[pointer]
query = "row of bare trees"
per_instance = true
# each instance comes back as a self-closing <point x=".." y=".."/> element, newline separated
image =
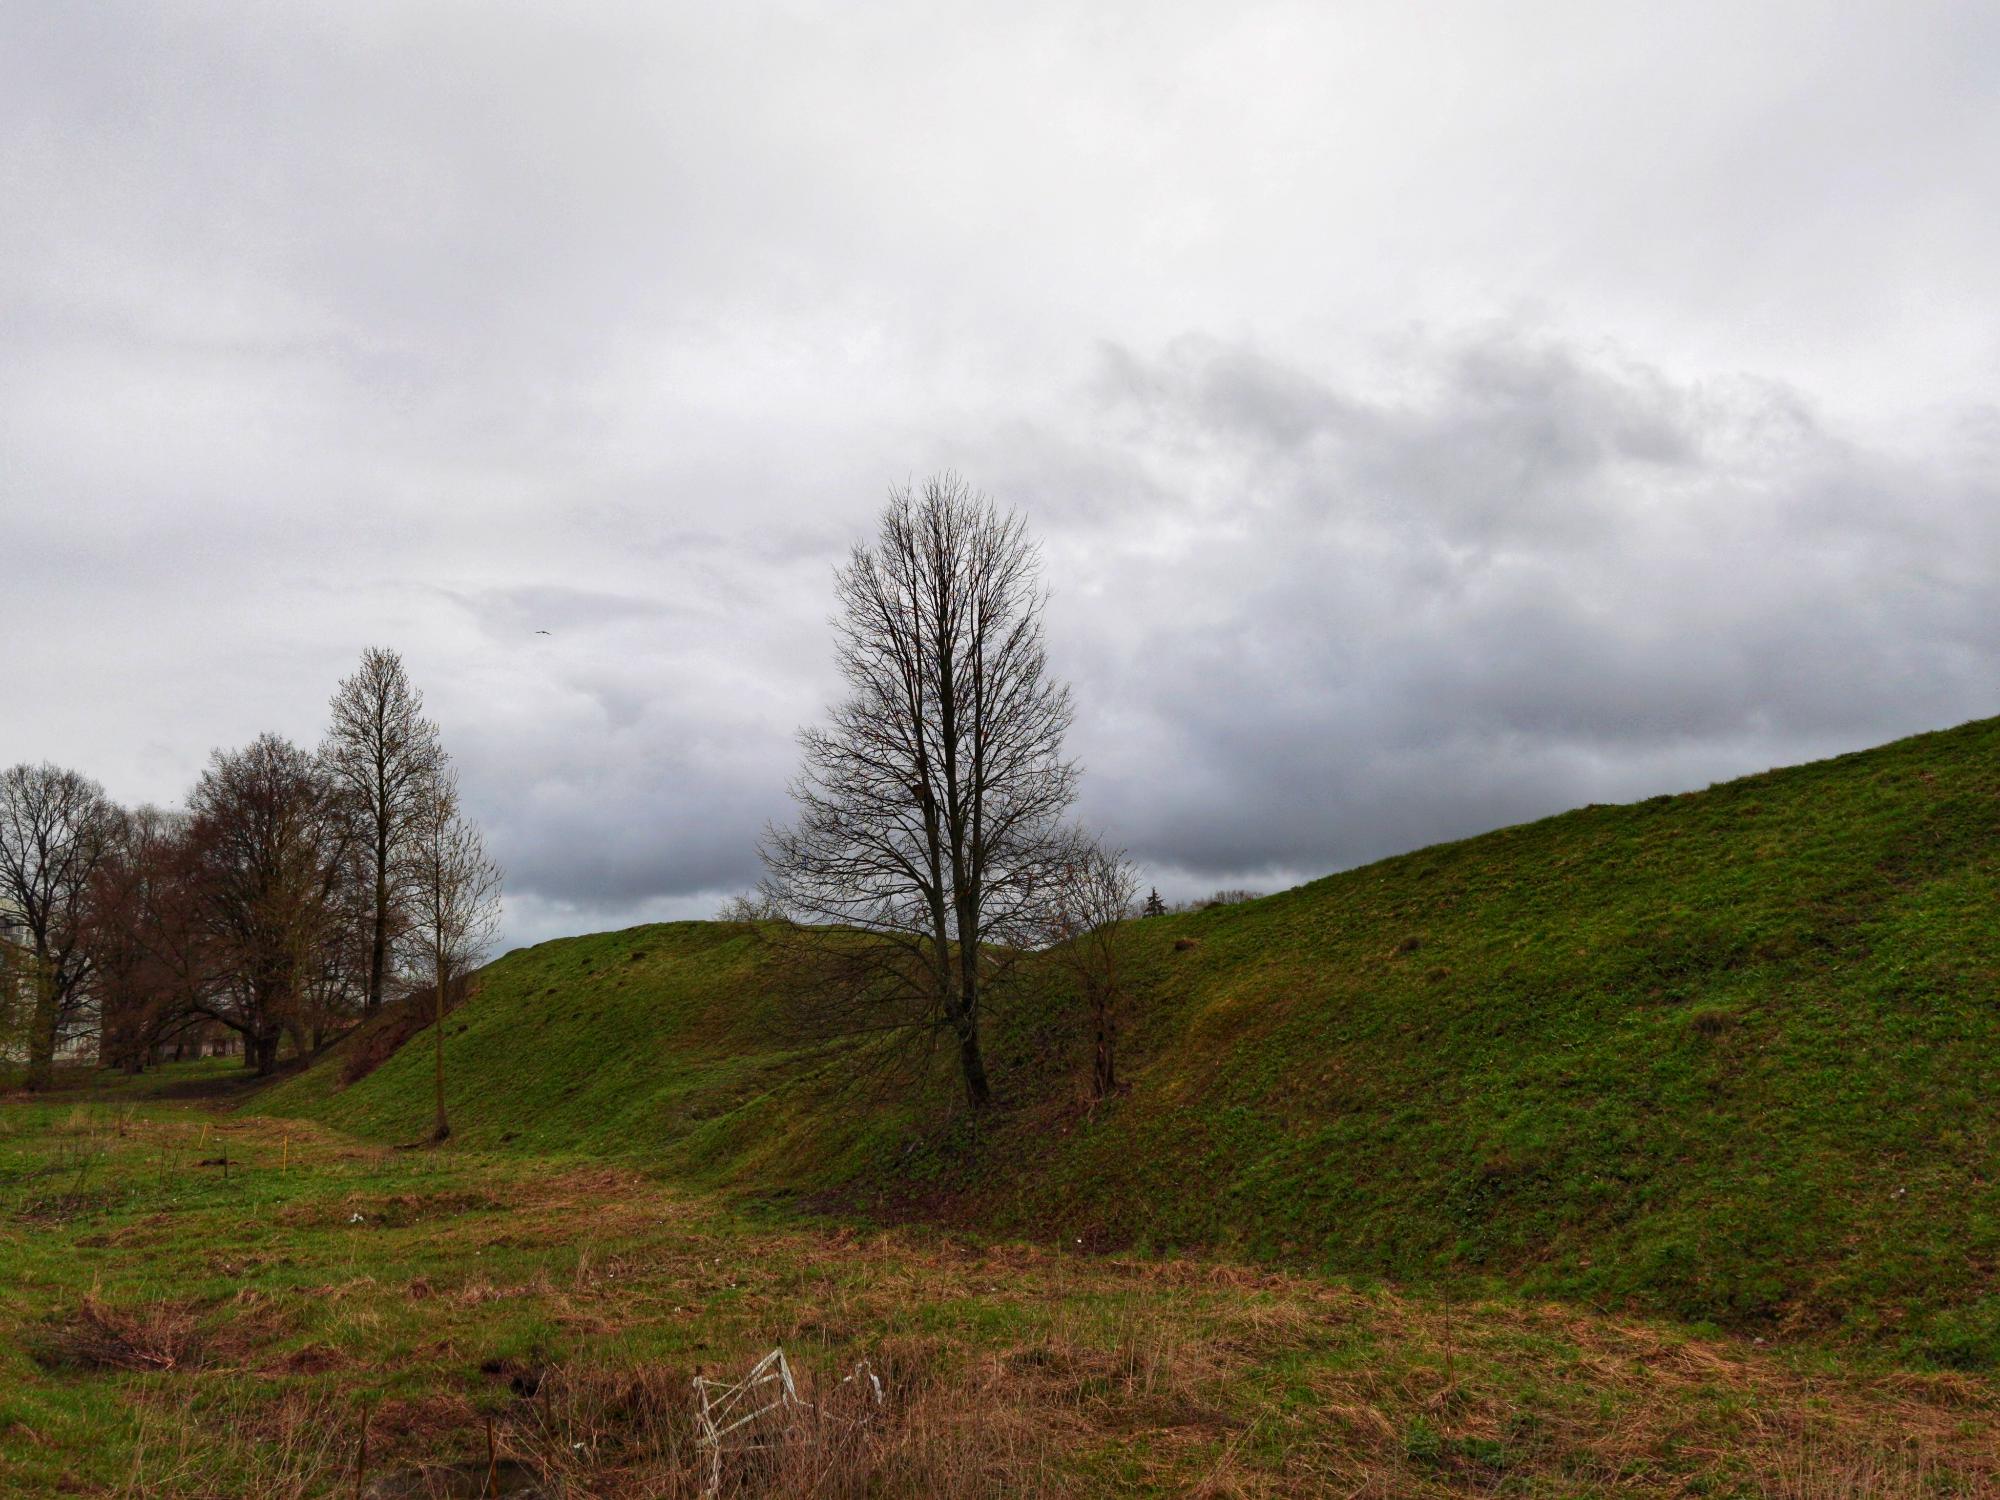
<point x="932" y="851"/>
<point x="286" y="897"/>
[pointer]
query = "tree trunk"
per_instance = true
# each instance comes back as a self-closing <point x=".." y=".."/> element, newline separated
<point x="378" y="956"/>
<point x="443" y="1128"/>
<point x="970" y="1062"/>
<point x="958" y="1004"/>
<point x="41" y="1054"/>
<point x="42" y="1029"/>
<point x="1104" y="1065"/>
<point x="977" y="1093"/>
<point x="260" y="1053"/>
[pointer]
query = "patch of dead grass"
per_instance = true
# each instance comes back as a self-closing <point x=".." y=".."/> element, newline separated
<point x="159" y="1335"/>
<point x="153" y="1336"/>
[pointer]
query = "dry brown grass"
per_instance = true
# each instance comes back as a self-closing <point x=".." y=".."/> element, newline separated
<point x="955" y="1434"/>
<point x="154" y="1336"/>
<point x="1814" y="1471"/>
<point x="1009" y="1369"/>
<point x="1559" y="1396"/>
<point x="158" y="1335"/>
<point x="291" y="1448"/>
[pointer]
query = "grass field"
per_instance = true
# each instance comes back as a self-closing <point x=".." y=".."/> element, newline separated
<point x="1724" y="1058"/>
<point x="1644" y="1150"/>
<point x="174" y="1327"/>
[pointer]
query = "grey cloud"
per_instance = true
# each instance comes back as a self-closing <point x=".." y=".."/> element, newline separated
<point x="1550" y="577"/>
<point x="521" y="611"/>
<point x="1423" y="435"/>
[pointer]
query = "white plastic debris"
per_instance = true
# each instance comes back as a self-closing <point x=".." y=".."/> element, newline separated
<point x="762" y="1410"/>
<point x="356" y="1219"/>
<point x="866" y="1379"/>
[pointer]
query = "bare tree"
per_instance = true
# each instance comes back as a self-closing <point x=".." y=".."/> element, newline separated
<point x="270" y="847"/>
<point x="1228" y="896"/>
<point x="455" y="905"/>
<point x="181" y="955"/>
<point x="55" y="829"/>
<point x="384" y="753"/>
<point x="751" y="906"/>
<point x="930" y="805"/>
<point x="135" y="903"/>
<point x="1093" y="894"/>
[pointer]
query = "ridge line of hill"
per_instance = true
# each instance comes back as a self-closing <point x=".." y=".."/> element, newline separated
<point x="1724" y="1056"/>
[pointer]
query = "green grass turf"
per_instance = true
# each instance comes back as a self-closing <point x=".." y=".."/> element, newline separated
<point x="181" y="1331"/>
<point x="1728" y="1057"/>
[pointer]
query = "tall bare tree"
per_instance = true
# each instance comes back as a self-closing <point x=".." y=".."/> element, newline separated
<point x="135" y="899"/>
<point x="55" y="830"/>
<point x="930" y="804"/>
<point x="384" y="753"/>
<point x="455" y="905"/>
<point x="271" y="844"/>
<point x="1091" y="898"/>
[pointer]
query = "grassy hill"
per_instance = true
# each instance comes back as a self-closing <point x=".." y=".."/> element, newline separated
<point x="1732" y="1056"/>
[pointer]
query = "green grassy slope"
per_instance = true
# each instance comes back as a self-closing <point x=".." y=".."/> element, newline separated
<point x="664" y="1044"/>
<point x="1732" y="1056"/>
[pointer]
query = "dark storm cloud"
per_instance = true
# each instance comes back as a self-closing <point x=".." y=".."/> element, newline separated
<point x="1435" y="416"/>
<point x="1540" y="578"/>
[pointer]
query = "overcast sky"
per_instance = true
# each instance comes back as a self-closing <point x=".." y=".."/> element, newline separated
<point x="1435" y="415"/>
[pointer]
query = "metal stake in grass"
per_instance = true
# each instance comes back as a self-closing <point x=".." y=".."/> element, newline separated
<point x="361" y="1459"/>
